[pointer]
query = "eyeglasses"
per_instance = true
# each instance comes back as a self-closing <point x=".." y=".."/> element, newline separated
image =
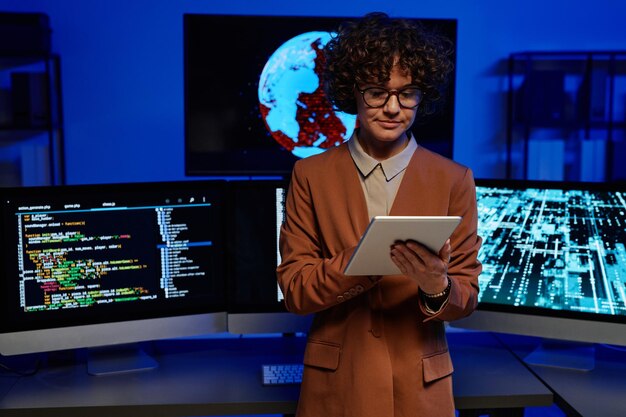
<point x="377" y="97"/>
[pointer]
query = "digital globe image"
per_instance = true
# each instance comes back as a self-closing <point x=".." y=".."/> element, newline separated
<point x="292" y="101"/>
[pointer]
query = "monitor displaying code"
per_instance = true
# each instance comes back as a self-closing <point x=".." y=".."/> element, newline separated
<point x="84" y="255"/>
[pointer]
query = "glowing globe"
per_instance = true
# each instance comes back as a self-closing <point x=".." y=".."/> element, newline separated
<point x="292" y="101"/>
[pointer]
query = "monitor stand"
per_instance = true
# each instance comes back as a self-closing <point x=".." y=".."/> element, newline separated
<point x="570" y="355"/>
<point x="118" y="360"/>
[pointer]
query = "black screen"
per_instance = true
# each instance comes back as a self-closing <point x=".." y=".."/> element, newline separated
<point x="258" y="210"/>
<point x="229" y="130"/>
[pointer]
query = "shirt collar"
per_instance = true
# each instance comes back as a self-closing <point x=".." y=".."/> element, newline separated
<point x="391" y="166"/>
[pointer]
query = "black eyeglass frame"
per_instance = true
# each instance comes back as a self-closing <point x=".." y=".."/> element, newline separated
<point x="389" y="94"/>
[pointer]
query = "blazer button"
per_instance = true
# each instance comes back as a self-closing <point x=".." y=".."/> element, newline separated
<point x="340" y="298"/>
<point x="353" y="292"/>
<point x="347" y="295"/>
<point x="359" y="289"/>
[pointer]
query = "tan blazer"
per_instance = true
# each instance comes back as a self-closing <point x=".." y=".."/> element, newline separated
<point x="372" y="350"/>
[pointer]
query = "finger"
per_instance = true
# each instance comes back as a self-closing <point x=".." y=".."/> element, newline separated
<point x="445" y="251"/>
<point x="418" y="248"/>
<point x="429" y="260"/>
<point x="410" y="255"/>
<point x="398" y="256"/>
<point x="409" y="263"/>
<point x="425" y="253"/>
<point x="402" y="266"/>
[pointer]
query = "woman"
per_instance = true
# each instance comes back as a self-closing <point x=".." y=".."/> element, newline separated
<point x="377" y="345"/>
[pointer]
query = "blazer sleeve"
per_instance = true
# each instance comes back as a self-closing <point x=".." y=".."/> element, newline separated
<point x="464" y="266"/>
<point x="310" y="278"/>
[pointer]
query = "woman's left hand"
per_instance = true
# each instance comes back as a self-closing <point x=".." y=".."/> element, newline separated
<point x="428" y="269"/>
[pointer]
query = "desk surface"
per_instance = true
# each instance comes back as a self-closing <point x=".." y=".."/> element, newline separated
<point x="223" y="377"/>
<point x="595" y="393"/>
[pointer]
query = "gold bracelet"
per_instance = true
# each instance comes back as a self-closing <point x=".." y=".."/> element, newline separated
<point x="439" y="294"/>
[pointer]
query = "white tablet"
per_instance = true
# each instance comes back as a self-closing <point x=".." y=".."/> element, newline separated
<point x="372" y="257"/>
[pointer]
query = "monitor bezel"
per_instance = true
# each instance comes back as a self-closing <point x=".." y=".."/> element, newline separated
<point x="65" y="331"/>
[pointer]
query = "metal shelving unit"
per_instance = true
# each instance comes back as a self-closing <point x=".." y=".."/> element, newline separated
<point x="566" y="115"/>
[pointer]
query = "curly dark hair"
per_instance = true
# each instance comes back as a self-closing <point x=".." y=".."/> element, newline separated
<point x="364" y="51"/>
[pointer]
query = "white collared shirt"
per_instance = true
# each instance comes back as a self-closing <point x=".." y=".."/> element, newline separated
<point x="380" y="180"/>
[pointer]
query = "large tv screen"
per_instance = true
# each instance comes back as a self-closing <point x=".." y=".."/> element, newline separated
<point x="253" y="100"/>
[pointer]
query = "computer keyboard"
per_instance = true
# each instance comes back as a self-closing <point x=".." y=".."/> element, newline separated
<point x="284" y="373"/>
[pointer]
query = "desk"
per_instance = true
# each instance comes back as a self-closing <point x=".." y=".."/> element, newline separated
<point x="595" y="393"/>
<point x="223" y="377"/>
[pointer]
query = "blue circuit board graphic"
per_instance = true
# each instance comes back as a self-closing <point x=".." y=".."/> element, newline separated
<point x="556" y="249"/>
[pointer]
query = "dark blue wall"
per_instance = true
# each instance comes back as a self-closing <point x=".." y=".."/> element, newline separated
<point x="123" y="76"/>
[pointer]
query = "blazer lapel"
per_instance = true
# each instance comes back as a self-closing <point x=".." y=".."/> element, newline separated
<point x="350" y="184"/>
<point x="412" y="190"/>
